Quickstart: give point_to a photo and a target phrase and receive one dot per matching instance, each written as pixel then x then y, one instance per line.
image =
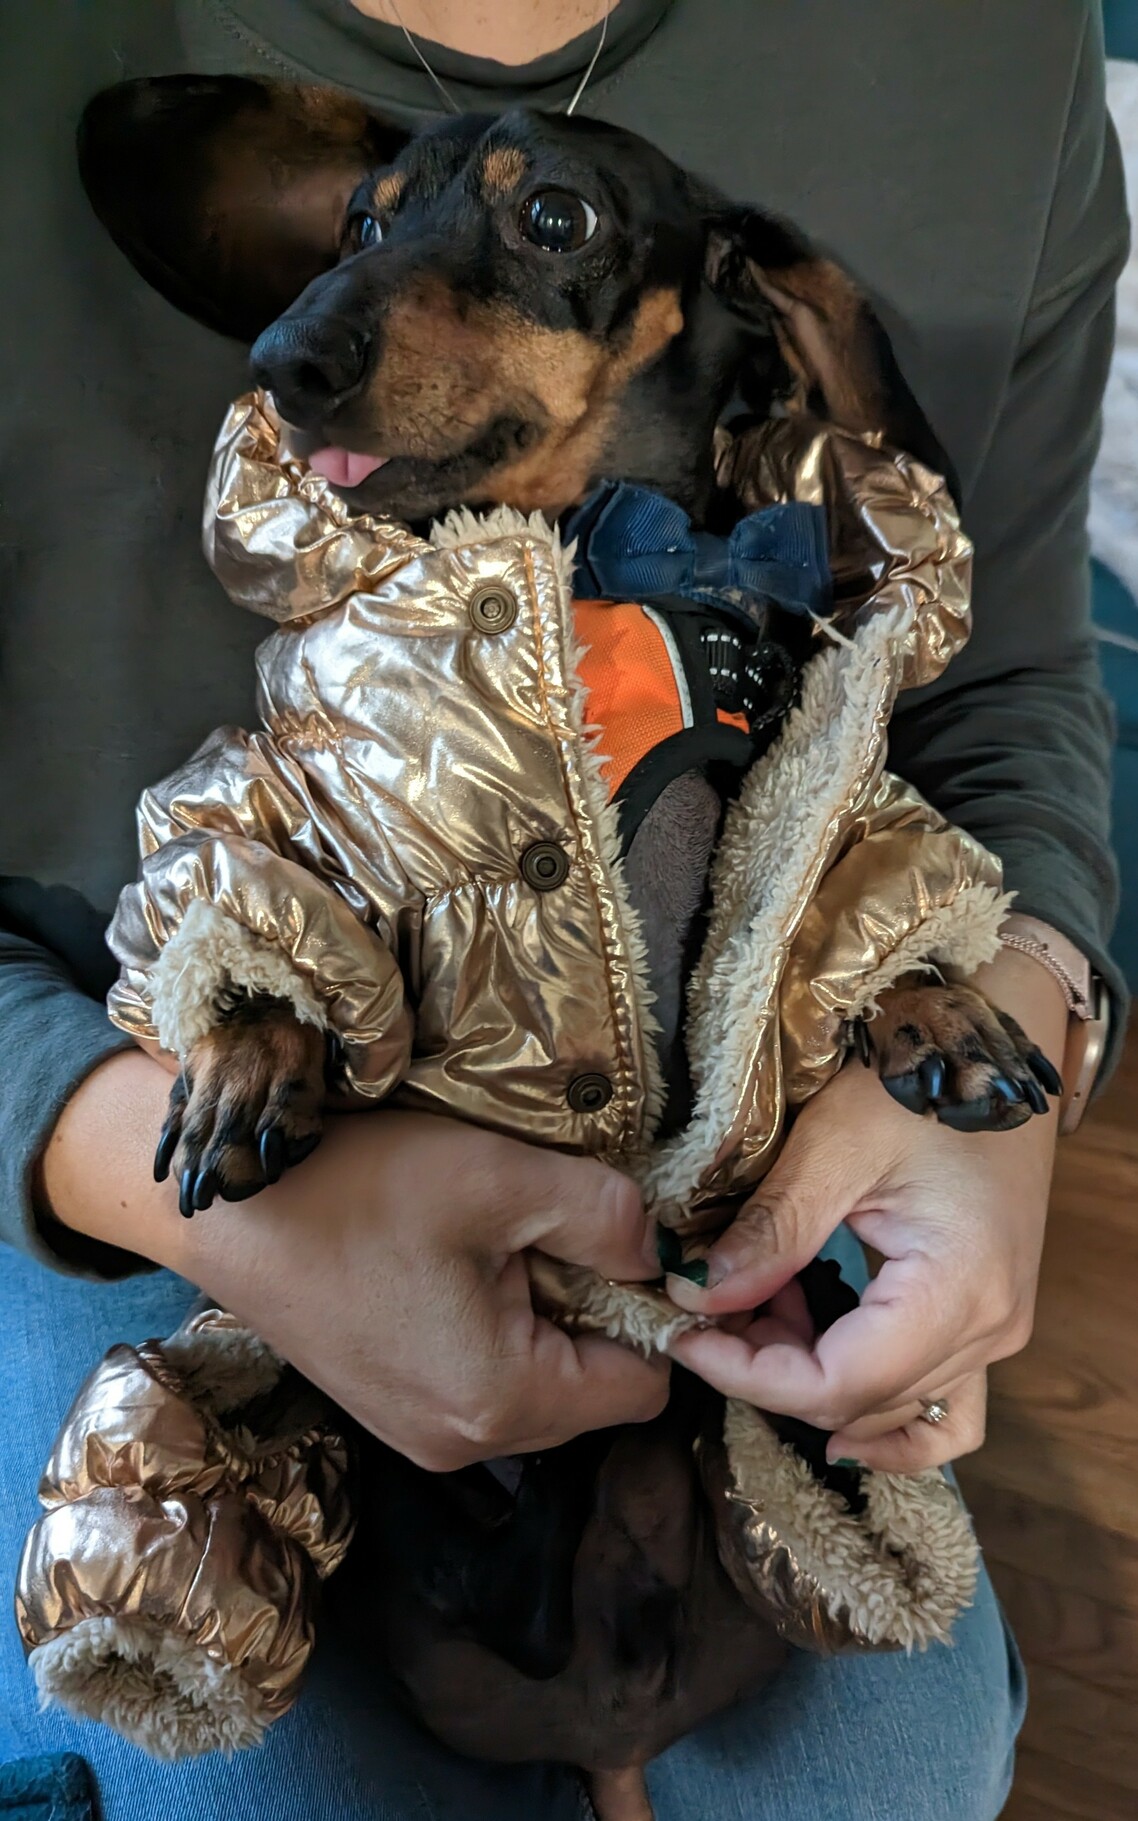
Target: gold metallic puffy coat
pixel 364 856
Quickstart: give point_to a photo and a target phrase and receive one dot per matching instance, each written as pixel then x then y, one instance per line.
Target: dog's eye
pixel 364 231
pixel 557 221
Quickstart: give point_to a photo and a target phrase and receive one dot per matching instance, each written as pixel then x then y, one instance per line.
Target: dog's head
pixel 492 310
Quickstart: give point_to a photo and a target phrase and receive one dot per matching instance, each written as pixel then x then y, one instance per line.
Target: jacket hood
pixel 284 544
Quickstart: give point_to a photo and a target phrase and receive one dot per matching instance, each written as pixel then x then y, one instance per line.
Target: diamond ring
pixel 934 1410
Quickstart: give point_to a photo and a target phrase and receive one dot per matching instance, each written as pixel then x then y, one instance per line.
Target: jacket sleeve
pixel 55 1034
pixel 238 894
pixel 907 891
pixel 1015 743
pixel 169 1587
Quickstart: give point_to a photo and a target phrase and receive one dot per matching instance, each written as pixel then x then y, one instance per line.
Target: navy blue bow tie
pixel 636 545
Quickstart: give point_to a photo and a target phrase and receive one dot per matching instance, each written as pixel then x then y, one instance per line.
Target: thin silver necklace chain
pixel 449 99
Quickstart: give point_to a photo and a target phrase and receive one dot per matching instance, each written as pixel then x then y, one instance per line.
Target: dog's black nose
pixel 309 364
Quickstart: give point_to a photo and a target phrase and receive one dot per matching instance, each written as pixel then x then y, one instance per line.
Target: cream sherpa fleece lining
pixel 155 1688
pixel 776 844
pixel 900 1574
pixel 210 954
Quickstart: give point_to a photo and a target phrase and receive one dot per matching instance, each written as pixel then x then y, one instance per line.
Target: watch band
pixel 1087 1004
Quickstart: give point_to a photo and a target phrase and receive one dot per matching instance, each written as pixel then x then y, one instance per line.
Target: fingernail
pixel 669 1252
pixel 844 1460
pixel 695 1273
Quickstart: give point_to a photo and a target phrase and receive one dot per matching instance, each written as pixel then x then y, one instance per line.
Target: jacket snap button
pixel 545 866
pixel 589 1093
pixel 493 609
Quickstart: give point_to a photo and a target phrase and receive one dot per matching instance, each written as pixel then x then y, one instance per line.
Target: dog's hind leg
pixel 620 1795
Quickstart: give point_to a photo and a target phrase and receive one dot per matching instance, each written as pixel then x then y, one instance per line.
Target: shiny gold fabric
pixel 895 536
pixel 368 842
pixel 894 873
pixel 160 1509
pixel 409 758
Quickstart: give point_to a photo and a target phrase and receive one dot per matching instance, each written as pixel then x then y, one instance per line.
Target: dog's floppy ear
pixel 226 193
pixel 829 336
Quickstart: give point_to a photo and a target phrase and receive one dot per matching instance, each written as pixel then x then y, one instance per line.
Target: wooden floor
pixel 1055 1490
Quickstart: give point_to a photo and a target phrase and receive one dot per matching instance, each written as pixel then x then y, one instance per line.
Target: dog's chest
pixel 683 703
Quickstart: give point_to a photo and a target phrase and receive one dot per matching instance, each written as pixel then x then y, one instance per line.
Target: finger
pixel 786 1318
pixel 578 1210
pixel 899 1336
pixel 789 1306
pixel 949 1385
pixel 587 1382
pixel 917 1444
pixel 785 1224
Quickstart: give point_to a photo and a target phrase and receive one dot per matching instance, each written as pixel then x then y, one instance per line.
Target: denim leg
pixel 344 1753
pixel 879 1738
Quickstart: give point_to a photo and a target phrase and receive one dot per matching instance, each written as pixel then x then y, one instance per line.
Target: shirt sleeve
pixel 1014 743
pixel 54 1035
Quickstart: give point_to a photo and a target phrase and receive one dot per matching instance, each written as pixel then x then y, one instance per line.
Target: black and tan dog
pixel 509 311
pixel 495 311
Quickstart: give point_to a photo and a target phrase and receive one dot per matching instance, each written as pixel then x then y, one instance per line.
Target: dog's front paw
pixel 247 1105
pixel 944 1049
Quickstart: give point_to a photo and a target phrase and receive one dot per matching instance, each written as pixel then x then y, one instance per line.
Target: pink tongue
pixel 343 467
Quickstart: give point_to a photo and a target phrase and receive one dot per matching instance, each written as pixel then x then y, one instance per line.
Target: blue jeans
pixel 928 1738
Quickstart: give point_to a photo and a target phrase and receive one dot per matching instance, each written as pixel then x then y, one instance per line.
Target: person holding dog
pixel 959 1220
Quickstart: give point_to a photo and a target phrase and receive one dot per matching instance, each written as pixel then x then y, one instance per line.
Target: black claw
pixel 1007 1090
pixel 1036 1098
pixel 186 1193
pixel 272 1153
pixel 167 1145
pixel 972 1116
pixel 240 1191
pixel 907 1090
pixel 205 1188
pixel 987 1115
pixel 300 1148
pixel 861 1041
pixel 1045 1071
pixel 932 1074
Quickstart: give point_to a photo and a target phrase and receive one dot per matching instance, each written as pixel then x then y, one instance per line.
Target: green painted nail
pixel 695 1273
pixel 855 1465
pixel 669 1249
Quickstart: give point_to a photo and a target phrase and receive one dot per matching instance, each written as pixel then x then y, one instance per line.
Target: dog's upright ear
pixel 226 193
pixel 836 350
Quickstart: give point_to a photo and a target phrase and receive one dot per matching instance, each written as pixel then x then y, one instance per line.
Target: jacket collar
pixel 285 544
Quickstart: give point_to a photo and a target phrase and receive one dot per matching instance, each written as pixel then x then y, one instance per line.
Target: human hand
pixel 958 1219
pixel 390 1269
